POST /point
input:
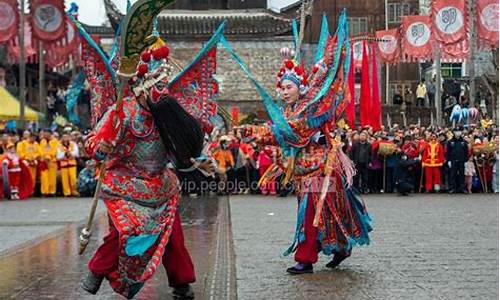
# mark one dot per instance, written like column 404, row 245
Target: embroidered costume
column 331, row 217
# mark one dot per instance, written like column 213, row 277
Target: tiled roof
column 202, row 23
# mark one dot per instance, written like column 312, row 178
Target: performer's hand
column 105, row 147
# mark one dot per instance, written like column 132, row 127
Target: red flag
column 416, row 39
column 365, row 99
column 350, row 113
column 487, row 21
column 449, row 23
column 9, row 19
column 389, row 48
column 48, row 19
column 58, row 53
column 376, row 109
column 456, row 52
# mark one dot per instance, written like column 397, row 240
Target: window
column 396, row 10
column 451, row 70
column 358, row 26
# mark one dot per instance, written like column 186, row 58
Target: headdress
column 292, row 71
column 153, row 71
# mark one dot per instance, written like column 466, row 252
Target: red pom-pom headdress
column 292, row 71
column 153, row 67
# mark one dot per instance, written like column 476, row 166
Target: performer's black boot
column 300, row 268
column 92, row 283
column 336, row 260
column 183, row 291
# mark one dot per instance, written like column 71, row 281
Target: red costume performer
column 16, row 178
column 432, row 161
column 140, row 191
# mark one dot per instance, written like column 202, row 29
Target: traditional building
column 258, row 29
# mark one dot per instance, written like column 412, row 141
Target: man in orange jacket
column 432, row 161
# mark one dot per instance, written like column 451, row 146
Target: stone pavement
column 27, row 222
column 423, row 247
column 49, row 267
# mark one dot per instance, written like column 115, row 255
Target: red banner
column 9, row 19
column 58, row 53
column 449, row 23
column 456, row 52
column 376, row 109
column 416, row 38
column 14, row 50
column 48, row 19
column 487, row 21
column 350, row 111
column 365, row 99
column 389, row 48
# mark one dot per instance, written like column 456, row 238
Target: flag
column 487, row 21
column 376, row 109
column 416, row 38
column 449, row 25
column 9, row 19
column 48, row 19
column 389, row 48
column 365, row 99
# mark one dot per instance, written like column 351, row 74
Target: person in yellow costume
column 67, row 152
column 29, row 151
column 48, row 163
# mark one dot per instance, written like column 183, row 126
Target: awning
column 10, row 106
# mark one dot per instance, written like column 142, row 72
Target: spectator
column 361, row 152
column 457, row 152
column 67, row 153
column 432, row 161
column 87, row 179
column 225, row 162
column 470, row 171
column 403, row 178
column 421, row 93
column 431, row 91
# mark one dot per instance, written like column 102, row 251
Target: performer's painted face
column 159, row 89
column 289, row 91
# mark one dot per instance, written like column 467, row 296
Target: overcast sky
column 92, row 11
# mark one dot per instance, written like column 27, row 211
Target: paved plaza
column 423, row 247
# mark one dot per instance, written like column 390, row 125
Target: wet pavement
column 423, row 247
column 44, row 263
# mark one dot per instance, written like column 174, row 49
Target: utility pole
column 386, row 64
column 22, row 68
column 470, row 62
column 437, row 83
column 41, row 80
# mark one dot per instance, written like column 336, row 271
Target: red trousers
column 176, row 258
column 307, row 251
column 432, row 177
